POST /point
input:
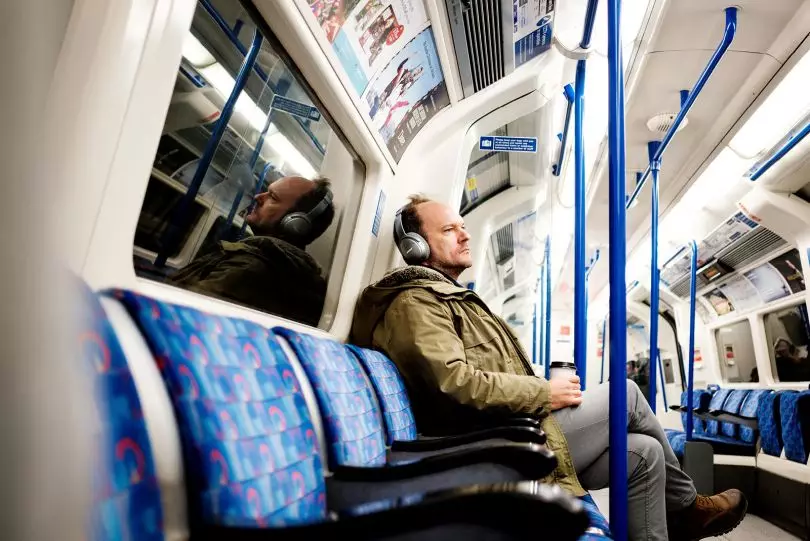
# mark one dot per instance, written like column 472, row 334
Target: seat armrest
column 511, row 433
column 513, row 509
column 725, row 417
column 531, row 460
column 681, row 409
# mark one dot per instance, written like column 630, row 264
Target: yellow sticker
column 471, row 184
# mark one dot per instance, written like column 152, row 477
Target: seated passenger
column 460, row 360
column 271, row 271
column 791, row 365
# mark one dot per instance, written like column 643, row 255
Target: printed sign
column 768, row 282
column 789, row 266
column 502, row 143
column 532, row 22
column 375, row 227
column 388, row 51
column 305, row 111
column 742, row 294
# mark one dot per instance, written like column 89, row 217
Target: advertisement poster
column 768, row 282
column 789, row 266
column 742, row 294
column 721, row 304
column 366, row 34
column 532, row 22
column 407, row 93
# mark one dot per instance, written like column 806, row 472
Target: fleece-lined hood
column 376, row 298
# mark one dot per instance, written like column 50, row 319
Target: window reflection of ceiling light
column 220, row 79
column 195, row 53
column 786, row 105
column 291, row 155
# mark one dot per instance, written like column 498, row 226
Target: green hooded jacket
column 458, row 359
column 260, row 272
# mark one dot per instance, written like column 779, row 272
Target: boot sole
column 727, row 528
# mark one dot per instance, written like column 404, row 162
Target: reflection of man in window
column 791, row 365
column 270, row 270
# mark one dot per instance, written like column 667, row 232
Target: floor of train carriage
column 752, row 528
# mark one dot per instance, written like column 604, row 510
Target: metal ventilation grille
column 504, row 243
column 509, row 281
column 681, row 287
column 754, row 245
column 484, row 36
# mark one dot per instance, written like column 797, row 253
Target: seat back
column 348, row 406
column 750, row 408
column 795, row 414
column 249, row 444
column 733, row 405
column 770, row 423
column 126, row 496
column 389, row 387
column 700, row 400
column 716, row 403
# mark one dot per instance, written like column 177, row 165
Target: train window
column 735, row 350
column 788, row 335
column 248, row 193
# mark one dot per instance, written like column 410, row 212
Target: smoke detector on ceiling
column 662, row 122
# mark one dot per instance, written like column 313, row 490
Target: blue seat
column 677, row 438
column 795, row 419
column 770, row 424
column 252, row 449
column 126, row 495
column 400, row 424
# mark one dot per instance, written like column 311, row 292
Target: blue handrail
column 541, row 348
column 663, row 382
column 568, row 92
column 690, row 384
column 534, row 335
column 180, row 215
column 590, row 19
column 223, row 25
column 794, row 140
column 728, row 37
column 547, row 304
column 580, row 315
column 618, row 264
column 655, row 165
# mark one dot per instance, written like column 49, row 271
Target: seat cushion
column 400, row 424
column 250, row 449
column 700, row 400
column 749, row 409
column 716, row 403
column 726, row 445
column 770, row 423
column 598, row 523
column 126, row 496
column 350, row 412
column 795, row 413
column 677, row 440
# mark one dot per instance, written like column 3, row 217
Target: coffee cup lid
column 563, row 364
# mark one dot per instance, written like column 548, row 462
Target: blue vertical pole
column 181, row 214
column 534, row 335
column 547, row 332
column 690, row 385
column 580, row 317
column 663, row 382
column 655, row 166
column 618, row 285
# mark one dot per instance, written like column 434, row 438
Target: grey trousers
column 656, row 484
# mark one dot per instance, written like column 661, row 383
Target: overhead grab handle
column 728, row 37
column 762, row 168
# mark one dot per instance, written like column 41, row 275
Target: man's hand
column 565, row 392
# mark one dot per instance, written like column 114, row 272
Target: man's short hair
column 410, row 219
column 309, row 201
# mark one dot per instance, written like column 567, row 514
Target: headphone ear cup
column 295, row 224
column 414, row 249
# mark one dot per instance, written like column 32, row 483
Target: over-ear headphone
column 413, row 247
column 299, row 224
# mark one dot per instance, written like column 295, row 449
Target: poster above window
column 388, row 51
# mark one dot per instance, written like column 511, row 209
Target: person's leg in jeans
column 653, row 494
column 656, row 482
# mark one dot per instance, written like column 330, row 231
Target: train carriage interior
column 219, row 181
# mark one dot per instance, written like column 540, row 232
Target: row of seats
column 291, row 432
column 777, row 420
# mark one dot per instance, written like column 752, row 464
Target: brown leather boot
column 708, row 516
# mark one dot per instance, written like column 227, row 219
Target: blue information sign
column 375, row 227
column 295, row 108
column 499, row 143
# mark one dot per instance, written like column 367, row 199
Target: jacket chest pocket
column 483, row 344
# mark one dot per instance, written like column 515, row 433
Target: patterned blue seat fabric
column 598, row 527
column 391, row 393
column 795, row 417
column 677, row 438
column 126, row 496
column 250, row 449
column 770, row 424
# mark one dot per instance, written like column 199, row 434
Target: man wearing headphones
column 270, row 270
column 461, row 362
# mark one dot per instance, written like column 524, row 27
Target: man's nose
column 259, row 197
column 464, row 236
